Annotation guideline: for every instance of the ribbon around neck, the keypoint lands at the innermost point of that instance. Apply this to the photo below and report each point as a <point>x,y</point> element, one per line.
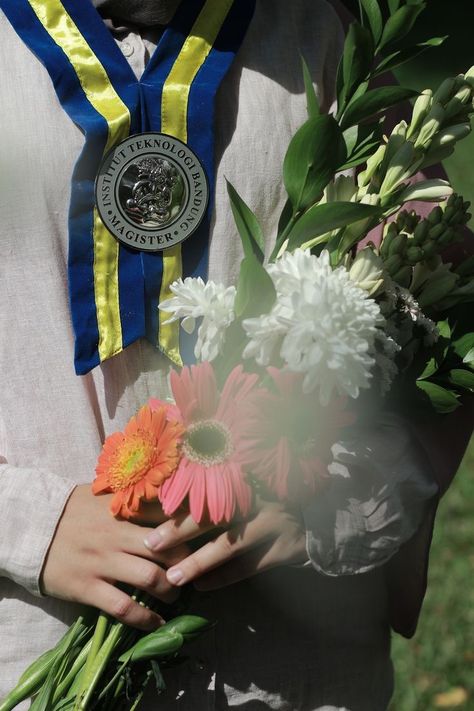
<point>114,290</point>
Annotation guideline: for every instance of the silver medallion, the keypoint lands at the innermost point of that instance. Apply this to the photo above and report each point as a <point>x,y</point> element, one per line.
<point>151,191</point>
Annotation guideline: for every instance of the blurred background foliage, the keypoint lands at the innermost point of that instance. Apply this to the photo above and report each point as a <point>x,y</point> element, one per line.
<point>435,670</point>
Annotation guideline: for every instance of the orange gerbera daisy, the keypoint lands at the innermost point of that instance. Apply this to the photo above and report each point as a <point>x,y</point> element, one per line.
<point>135,462</point>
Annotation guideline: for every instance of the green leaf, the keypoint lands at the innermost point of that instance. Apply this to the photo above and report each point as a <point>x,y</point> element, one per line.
<point>438,352</point>
<point>320,219</point>
<point>372,17</point>
<point>285,217</point>
<point>463,345</point>
<point>396,59</point>
<point>190,626</point>
<point>361,141</point>
<point>400,24</point>
<point>462,378</point>
<point>442,400</point>
<point>309,165</point>
<point>255,289</point>
<point>312,103</point>
<point>469,358</point>
<point>373,102</point>
<point>357,61</point>
<point>247,225</point>
<point>154,646</point>
<point>362,155</point>
<point>393,6</point>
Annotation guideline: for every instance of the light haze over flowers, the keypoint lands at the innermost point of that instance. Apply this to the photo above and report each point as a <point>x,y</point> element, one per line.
<point>322,325</point>
<point>214,303</point>
<point>287,436</point>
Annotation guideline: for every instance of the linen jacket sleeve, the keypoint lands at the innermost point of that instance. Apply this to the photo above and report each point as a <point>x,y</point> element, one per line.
<point>31,504</point>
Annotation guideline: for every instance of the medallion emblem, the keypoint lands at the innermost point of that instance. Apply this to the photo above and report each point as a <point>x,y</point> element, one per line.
<point>151,191</point>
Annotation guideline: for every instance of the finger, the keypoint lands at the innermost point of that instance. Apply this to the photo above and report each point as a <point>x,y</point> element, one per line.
<point>228,545</point>
<point>175,532</point>
<point>132,541</point>
<point>142,574</point>
<point>241,568</point>
<point>264,557</point>
<point>121,606</point>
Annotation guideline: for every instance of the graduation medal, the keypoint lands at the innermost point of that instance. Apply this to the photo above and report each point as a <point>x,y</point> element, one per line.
<point>151,192</point>
<point>143,184</point>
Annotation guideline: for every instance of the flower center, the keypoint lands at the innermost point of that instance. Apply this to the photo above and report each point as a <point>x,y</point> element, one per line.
<point>132,459</point>
<point>207,442</point>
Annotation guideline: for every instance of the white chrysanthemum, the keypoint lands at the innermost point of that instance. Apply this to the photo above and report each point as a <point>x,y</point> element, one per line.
<point>290,269</point>
<point>325,326</point>
<point>214,303</point>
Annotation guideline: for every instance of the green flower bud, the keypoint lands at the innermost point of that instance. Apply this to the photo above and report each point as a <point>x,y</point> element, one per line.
<point>431,125</point>
<point>367,271</point>
<point>430,248</point>
<point>427,190</point>
<point>373,163</point>
<point>435,216</point>
<point>449,136</point>
<point>399,168</point>
<point>436,231</point>
<point>393,264</point>
<point>437,289</point>
<point>398,244</point>
<point>390,233</point>
<point>457,104</point>
<point>450,212</point>
<point>400,130</point>
<point>469,77</point>
<point>414,255</point>
<point>445,91</point>
<point>448,237</point>
<point>420,111</point>
<point>421,232</point>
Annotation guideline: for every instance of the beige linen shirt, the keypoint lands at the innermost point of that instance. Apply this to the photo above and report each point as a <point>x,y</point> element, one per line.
<point>52,422</point>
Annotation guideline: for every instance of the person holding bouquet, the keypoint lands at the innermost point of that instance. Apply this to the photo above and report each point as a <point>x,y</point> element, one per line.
<point>304,592</point>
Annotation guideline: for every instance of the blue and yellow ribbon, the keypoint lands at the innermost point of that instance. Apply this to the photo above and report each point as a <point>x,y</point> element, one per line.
<point>115,291</point>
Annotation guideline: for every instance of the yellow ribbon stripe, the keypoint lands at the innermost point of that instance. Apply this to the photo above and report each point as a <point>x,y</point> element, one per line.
<point>101,94</point>
<point>174,109</point>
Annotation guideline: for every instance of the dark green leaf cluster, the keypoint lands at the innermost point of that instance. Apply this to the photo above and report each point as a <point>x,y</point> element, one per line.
<point>449,372</point>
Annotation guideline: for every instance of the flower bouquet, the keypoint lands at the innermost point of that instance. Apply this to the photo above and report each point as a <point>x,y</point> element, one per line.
<point>352,309</point>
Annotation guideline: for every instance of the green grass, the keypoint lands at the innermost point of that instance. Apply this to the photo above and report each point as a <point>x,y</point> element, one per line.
<point>441,655</point>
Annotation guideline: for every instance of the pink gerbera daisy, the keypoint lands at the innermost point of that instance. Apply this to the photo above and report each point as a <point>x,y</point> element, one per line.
<point>209,475</point>
<point>288,435</point>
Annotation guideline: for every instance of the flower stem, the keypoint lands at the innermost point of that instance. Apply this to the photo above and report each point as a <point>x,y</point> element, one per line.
<point>95,669</point>
<point>96,645</point>
<point>77,666</point>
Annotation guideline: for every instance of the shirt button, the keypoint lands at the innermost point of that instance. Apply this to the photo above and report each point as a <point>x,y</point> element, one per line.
<point>127,49</point>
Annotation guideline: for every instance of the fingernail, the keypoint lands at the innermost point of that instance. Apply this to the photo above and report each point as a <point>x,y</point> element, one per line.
<point>153,541</point>
<point>175,576</point>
